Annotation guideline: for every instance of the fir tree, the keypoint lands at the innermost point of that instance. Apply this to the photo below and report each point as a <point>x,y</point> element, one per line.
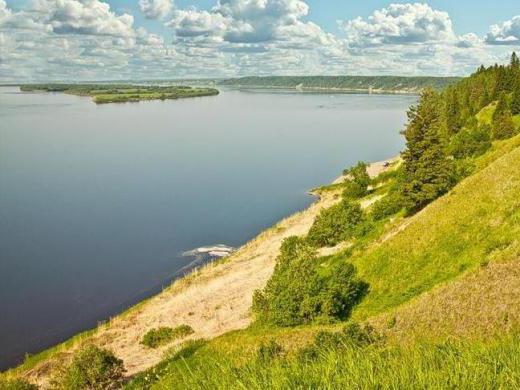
<point>453,113</point>
<point>515,61</point>
<point>501,107</point>
<point>503,126</point>
<point>428,173</point>
<point>515,101</point>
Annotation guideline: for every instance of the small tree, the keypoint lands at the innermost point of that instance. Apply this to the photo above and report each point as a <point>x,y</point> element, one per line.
<point>92,368</point>
<point>297,293</point>
<point>335,224</point>
<point>428,173</point>
<point>502,107</point>
<point>503,126</point>
<point>515,101</point>
<point>357,182</point>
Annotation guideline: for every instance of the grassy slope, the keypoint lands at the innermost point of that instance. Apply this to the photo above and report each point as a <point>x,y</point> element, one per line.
<point>450,365</point>
<point>447,248</point>
<point>476,222</point>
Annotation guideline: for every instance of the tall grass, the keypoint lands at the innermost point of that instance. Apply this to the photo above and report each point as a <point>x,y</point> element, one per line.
<point>450,365</point>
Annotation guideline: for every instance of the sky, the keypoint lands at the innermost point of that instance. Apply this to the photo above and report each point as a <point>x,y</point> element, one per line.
<point>87,40</point>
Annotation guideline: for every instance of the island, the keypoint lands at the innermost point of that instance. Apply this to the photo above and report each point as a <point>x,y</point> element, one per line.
<point>117,93</point>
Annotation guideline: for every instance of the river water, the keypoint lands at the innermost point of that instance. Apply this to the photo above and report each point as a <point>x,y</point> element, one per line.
<point>98,203</point>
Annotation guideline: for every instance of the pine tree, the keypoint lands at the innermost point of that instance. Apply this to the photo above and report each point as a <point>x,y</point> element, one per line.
<point>503,126</point>
<point>515,61</point>
<point>453,117</point>
<point>428,173</point>
<point>501,81</point>
<point>515,101</point>
<point>501,107</point>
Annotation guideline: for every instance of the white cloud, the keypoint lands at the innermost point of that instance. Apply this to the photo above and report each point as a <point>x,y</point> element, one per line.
<point>400,24</point>
<point>87,40</point>
<point>248,21</point>
<point>155,9</point>
<point>4,11</point>
<point>506,33</point>
<point>194,23</point>
<point>91,17</point>
<point>469,40</point>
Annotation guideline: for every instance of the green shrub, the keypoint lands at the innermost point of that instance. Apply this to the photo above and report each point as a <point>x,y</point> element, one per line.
<point>16,384</point>
<point>470,142</point>
<point>269,351</point>
<point>358,181</point>
<point>298,294</point>
<point>387,206</point>
<point>335,224</point>
<point>92,368</point>
<point>156,337</point>
<point>352,335</point>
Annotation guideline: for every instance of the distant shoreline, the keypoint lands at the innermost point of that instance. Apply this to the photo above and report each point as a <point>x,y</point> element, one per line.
<point>363,91</point>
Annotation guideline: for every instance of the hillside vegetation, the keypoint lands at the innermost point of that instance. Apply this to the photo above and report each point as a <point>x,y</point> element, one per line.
<point>352,83</point>
<point>119,93</point>
<point>446,223</point>
<point>407,279</point>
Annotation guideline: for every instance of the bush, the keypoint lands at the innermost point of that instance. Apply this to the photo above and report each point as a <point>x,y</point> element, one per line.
<point>470,142</point>
<point>358,181</point>
<point>389,205</point>
<point>16,384</point>
<point>269,351</point>
<point>352,335</point>
<point>156,337</point>
<point>92,368</point>
<point>335,224</point>
<point>298,294</point>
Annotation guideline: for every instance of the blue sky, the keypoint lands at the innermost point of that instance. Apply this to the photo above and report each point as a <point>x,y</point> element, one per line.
<point>139,39</point>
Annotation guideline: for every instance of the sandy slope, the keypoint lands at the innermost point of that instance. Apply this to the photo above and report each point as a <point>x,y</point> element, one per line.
<point>213,301</point>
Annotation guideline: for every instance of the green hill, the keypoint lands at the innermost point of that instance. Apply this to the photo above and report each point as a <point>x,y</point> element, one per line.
<point>464,248</point>
<point>353,83</point>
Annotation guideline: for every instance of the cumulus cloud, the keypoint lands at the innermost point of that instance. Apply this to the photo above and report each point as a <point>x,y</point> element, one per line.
<point>155,9</point>
<point>92,17</point>
<point>194,23</point>
<point>247,21</point>
<point>4,11</point>
<point>87,40</point>
<point>400,24</point>
<point>469,40</point>
<point>506,33</point>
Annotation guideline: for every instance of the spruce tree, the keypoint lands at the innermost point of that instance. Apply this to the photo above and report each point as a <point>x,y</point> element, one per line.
<point>428,173</point>
<point>453,118</point>
<point>501,107</point>
<point>515,101</point>
<point>515,62</point>
<point>503,126</point>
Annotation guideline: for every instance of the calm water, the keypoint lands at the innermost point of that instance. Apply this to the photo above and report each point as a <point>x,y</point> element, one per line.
<point>97,203</point>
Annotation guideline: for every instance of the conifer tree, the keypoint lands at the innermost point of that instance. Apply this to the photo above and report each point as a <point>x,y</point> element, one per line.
<point>453,117</point>
<point>503,126</point>
<point>501,107</point>
<point>428,173</point>
<point>515,101</point>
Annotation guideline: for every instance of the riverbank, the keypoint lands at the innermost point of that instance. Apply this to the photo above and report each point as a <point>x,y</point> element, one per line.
<point>213,300</point>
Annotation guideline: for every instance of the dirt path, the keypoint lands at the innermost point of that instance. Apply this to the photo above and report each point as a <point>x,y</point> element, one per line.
<point>213,301</point>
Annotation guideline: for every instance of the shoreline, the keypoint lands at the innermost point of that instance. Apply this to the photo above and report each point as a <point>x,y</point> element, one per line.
<point>213,299</point>
<point>364,91</point>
